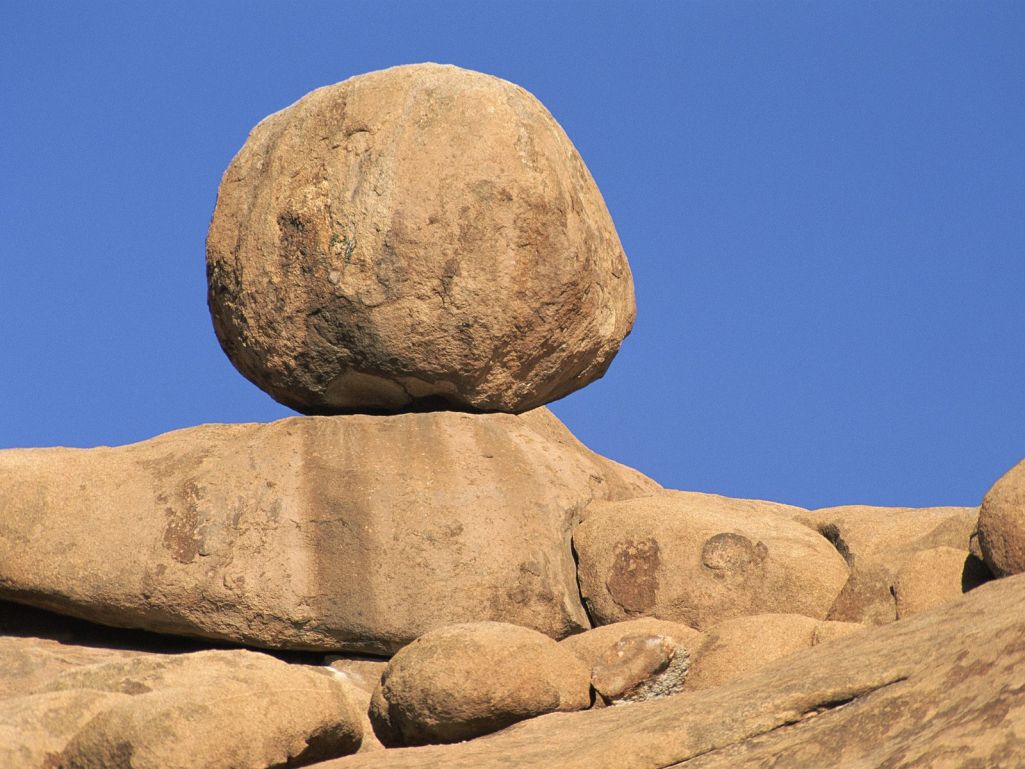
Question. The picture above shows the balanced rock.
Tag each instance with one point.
(700, 558)
(417, 236)
(1002, 523)
(322, 533)
(876, 542)
(741, 645)
(463, 681)
(640, 667)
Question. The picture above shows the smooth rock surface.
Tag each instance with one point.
(462, 681)
(417, 236)
(700, 558)
(933, 577)
(876, 542)
(1002, 523)
(944, 688)
(320, 533)
(739, 646)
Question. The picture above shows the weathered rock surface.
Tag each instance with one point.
(700, 558)
(365, 674)
(640, 667)
(463, 681)
(944, 688)
(415, 236)
(591, 644)
(322, 533)
(1002, 523)
(739, 646)
(876, 542)
(76, 707)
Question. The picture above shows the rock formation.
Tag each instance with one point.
(415, 237)
(401, 253)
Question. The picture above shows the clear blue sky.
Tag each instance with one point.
(823, 205)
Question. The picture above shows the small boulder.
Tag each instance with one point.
(417, 236)
(1002, 524)
(462, 681)
(931, 578)
(591, 644)
(640, 667)
(699, 559)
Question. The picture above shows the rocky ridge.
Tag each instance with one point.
(431, 571)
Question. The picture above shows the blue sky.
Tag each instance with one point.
(823, 205)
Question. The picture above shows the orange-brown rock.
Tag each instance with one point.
(944, 688)
(417, 236)
(1002, 523)
(322, 533)
(700, 558)
(876, 542)
(463, 681)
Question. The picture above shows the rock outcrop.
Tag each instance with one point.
(877, 542)
(415, 237)
(640, 667)
(463, 681)
(1002, 523)
(942, 688)
(700, 558)
(356, 532)
(204, 710)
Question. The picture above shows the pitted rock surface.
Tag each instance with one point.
(417, 237)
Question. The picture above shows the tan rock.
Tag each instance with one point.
(737, 647)
(28, 664)
(876, 543)
(931, 578)
(34, 728)
(74, 707)
(940, 689)
(463, 681)
(365, 674)
(1002, 523)
(324, 533)
(415, 236)
(830, 631)
(700, 558)
(640, 667)
(591, 644)
(211, 710)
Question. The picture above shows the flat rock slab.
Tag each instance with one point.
(313, 533)
(943, 688)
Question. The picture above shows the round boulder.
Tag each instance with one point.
(1002, 524)
(462, 681)
(419, 237)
